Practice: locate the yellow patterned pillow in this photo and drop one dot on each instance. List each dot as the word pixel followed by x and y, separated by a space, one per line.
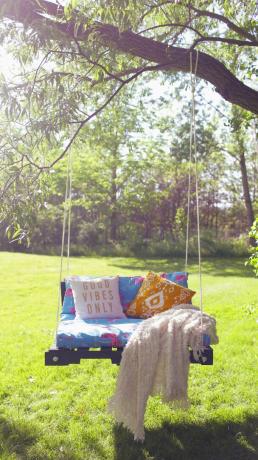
pixel 157 294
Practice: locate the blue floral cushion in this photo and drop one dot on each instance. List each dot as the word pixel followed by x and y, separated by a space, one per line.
pixel 128 289
pixel 74 332
pixel 177 277
pixel 68 303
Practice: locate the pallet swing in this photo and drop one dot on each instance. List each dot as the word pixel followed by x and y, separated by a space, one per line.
pixel 67 348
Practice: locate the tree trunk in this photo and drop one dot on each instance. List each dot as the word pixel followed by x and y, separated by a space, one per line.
pixel 169 58
pixel 147 228
pixel 113 218
pixel 238 125
pixel 246 191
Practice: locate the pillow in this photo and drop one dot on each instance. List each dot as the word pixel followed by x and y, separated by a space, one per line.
pixel 157 294
pixel 128 289
pixel 68 306
pixel 177 277
pixel 130 285
pixel 97 298
pixel 68 303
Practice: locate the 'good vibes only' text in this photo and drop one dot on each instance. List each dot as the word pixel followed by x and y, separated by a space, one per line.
pixel 98 297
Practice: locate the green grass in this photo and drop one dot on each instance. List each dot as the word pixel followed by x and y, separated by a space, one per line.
pixel 60 413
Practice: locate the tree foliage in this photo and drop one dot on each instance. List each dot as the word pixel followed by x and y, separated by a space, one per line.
pixel 77 60
pixel 253 259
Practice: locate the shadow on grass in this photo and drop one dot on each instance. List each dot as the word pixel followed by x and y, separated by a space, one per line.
pixel 16 438
pixel 214 441
pixel 214 267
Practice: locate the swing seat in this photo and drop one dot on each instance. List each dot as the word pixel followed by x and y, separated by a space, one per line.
pixel 101 339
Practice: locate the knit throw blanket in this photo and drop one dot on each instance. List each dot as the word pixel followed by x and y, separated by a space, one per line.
pixel 156 361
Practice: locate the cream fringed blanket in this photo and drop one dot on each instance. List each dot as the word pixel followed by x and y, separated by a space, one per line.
pixel 156 361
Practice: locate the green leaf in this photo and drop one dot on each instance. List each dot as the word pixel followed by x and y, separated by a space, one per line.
pixel 16 233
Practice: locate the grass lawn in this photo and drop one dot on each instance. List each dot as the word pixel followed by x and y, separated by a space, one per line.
pixel 60 413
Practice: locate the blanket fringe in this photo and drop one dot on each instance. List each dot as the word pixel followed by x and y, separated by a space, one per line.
pixel 156 361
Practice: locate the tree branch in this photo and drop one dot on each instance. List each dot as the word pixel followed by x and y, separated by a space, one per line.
pixel 202 38
pixel 96 63
pixel 170 58
pixel 221 18
pixel 86 120
pixel 171 24
pixel 229 41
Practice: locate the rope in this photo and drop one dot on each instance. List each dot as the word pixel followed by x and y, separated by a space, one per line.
pixel 67 212
pixel 193 150
pixel 189 184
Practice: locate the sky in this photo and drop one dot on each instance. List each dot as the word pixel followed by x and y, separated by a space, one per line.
pixel 7 64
